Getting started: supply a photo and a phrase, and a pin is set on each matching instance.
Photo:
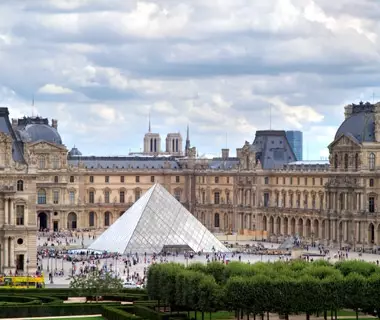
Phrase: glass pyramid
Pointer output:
(156, 220)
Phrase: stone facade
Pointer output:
(264, 189)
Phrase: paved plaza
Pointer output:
(118, 265)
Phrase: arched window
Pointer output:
(91, 219)
(356, 161)
(20, 185)
(137, 194)
(216, 220)
(371, 161)
(55, 162)
(42, 162)
(177, 194)
(41, 198)
(106, 197)
(107, 219)
(336, 161)
(346, 161)
(20, 210)
(216, 197)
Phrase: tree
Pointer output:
(96, 284)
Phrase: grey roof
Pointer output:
(75, 152)
(223, 164)
(309, 162)
(272, 149)
(33, 129)
(360, 125)
(6, 127)
(93, 162)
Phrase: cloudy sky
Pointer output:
(100, 67)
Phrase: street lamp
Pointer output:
(51, 271)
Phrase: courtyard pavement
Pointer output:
(118, 264)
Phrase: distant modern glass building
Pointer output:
(295, 139)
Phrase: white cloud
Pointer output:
(101, 67)
(54, 89)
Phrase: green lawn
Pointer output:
(75, 318)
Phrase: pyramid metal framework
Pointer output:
(156, 220)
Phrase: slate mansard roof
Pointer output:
(33, 129)
(272, 149)
(6, 127)
(360, 123)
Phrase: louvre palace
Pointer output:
(261, 193)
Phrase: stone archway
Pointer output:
(271, 226)
(278, 226)
(265, 223)
(293, 227)
(316, 228)
(286, 231)
(300, 227)
(371, 233)
(308, 228)
(72, 221)
(42, 221)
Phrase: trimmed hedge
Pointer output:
(148, 313)
(115, 313)
(48, 310)
(61, 291)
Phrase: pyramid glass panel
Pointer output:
(156, 220)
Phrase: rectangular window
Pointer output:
(228, 179)
(20, 212)
(137, 178)
(107, 179)
(216, 198)
(371, 204)
(305, 181)
(266, 199)
(72, 197)
(266, 180)
(203, 179)
(106, 197)
(298, 181)
(152, 179)
(56, 179)
(216, 179)
(228, 197)
(276, 180)
(122, 179)
(291, 180)
(91, 197)
(55, 196)
(177, 179)
(313, 181)
(321, 182)
(203, 197)
(71, 179)
(91, 179)
(122, 197)
(283, 180)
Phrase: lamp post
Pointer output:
(51, 271)
(27, 272)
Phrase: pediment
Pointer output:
(46, 146)
(345, 140)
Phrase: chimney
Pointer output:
(54, 123)
(225, 154)
(14, 123)
(347, 111)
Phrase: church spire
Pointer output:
(187, 146)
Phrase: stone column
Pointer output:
(12, 252)
(6, 211)
(5, 253)
(12, 212)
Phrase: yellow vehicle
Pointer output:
(22, 282)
